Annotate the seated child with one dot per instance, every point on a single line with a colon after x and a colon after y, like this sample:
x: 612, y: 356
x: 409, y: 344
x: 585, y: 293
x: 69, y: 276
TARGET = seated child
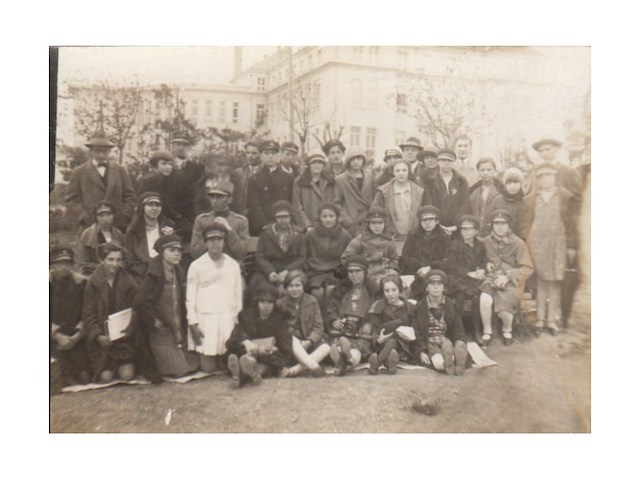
x: 467, y: 266
x: 386, y: 315
x: 66, y: 289
x: 261, y: 343
x: 438, y: 328
x: 376, y: 245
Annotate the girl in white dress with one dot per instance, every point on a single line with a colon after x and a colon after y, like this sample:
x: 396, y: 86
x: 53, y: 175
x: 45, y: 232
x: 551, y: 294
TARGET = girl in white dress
x: 214, y: 299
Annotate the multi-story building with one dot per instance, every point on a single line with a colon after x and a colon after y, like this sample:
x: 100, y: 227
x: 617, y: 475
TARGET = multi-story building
x: 511, y: 94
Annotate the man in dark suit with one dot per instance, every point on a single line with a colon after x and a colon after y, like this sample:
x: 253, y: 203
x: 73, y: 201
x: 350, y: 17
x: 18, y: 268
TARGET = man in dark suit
x: 241, y: 176
x: 100, y: 179
x: 266, y: 187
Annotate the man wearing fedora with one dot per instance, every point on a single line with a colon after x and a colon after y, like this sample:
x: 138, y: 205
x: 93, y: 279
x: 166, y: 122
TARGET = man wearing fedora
x: 567, y: 178
x: 100, y: 179
x: 410, y: 149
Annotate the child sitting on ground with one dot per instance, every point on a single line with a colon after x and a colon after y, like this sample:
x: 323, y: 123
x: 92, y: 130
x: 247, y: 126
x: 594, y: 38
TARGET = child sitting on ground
x: 438, y: 328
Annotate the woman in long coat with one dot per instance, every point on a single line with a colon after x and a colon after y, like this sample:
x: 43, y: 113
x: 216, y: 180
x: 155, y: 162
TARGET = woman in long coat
x: 214, y: 299
x: 314, y: 187
x: 109, y: 290
x: 354, y: 191
x: 161, y: 310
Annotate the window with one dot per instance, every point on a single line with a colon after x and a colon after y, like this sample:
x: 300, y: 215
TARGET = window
x: 355, y: 136
x: 356, y: 93
x: 208, y: 110
x: 262, y: 83
x: 401, y: 102
x: 260, y: 112
x: 194, y: 108
x: 235, y: 112
x: 371, y: 139
x: 223, y: 111
x: 372, y: 94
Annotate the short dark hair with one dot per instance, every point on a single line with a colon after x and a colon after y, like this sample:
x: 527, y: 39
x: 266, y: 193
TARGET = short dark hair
x: 486, y: 160
x: 463, y: 136
x: 105, y: 249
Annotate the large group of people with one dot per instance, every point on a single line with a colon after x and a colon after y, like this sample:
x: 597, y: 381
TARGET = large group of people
x: 282, y: 267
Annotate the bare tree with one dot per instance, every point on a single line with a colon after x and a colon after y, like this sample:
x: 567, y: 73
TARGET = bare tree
x: 329, y: 132
x: 110, y: 108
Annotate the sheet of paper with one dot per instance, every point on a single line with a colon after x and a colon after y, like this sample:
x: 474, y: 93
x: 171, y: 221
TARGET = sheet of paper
x: 264, y: 342
x: 480, y: 359
x: 117, y: 322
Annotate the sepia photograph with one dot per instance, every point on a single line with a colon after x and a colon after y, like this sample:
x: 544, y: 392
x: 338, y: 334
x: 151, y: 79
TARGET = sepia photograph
x: 320, y: 239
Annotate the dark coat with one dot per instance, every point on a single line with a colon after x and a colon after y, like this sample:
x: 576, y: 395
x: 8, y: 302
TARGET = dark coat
x: 424, y: 249
x: 455, y: 328
x: 95, y: 311
x: 324, y: 247
x: 451, y: 204
x: 65, y: 300
x: 271, y: 258
x: 263, y: 191
x: 251, y: 327
x: 87, y: 188
x: 135, y: 241
x: 305, y: 318
x: 462, y: 259
x: 482, y: 209
x: 181, y: 187
x: 240, y: 179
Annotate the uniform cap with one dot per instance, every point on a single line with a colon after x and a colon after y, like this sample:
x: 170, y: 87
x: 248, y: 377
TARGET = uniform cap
x: 167, y: 241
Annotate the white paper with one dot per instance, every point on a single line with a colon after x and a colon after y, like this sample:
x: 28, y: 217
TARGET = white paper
x: 117, y: 322
x: 480, y: 359
x: 406, y: 333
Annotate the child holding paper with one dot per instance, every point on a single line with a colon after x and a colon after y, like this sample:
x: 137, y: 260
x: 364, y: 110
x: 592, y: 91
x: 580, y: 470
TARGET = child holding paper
x: 438, y: 328
x: 386, y: 316
x: 109, y: 290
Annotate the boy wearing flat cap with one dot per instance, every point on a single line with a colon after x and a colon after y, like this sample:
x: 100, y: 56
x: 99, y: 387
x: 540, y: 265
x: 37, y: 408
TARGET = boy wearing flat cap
x: 214, y: 299
x: 440, y: 339
x: 102, y: 231
x: 66, y: 291
x: 509, y: 265
x: 290, y: 162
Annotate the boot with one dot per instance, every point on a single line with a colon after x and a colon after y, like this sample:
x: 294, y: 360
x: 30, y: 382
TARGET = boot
x: 392, y: 363
x: 249, y: 366
x: 447, y: 355
x: 373, y: 364
x: 460, y: 353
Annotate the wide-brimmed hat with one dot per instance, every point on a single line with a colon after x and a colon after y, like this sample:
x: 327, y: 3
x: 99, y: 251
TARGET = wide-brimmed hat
x: 99, y: 141
x: 411, y: 142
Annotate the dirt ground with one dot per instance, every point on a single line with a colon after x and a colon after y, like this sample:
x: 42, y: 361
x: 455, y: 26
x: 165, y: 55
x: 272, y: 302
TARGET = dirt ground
x: 539, y: 385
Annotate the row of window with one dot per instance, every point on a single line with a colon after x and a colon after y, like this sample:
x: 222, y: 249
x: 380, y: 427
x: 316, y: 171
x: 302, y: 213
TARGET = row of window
x: 222, y: 110
x: 356, y: 134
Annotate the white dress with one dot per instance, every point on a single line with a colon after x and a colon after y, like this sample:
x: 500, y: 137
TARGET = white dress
x: 214, y: 299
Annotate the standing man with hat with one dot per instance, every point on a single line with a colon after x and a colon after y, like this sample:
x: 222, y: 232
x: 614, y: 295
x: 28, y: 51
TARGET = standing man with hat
x: 410, y: 149
x: 548, y: 149
x: 266, y: 187
x: 313, y: 188
x: 449, y: 192
x: 183, y: 180
x: 220, y: 193
x: 334, y: 150
x: 100, y: 179
x: 289, y: 161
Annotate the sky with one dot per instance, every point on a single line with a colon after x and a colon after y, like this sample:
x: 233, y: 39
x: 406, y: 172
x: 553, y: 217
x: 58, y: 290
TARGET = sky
x: 153, y: 65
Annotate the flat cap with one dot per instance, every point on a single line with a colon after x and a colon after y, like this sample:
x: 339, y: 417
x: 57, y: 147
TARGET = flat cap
x: 167, y: 241
x: 216, y: 230
x: 546, y: 141
x: 270, y: 145
x: 446, y: 154
x: 61, y: 254
x: 291, y: 147
x: 221, y: 187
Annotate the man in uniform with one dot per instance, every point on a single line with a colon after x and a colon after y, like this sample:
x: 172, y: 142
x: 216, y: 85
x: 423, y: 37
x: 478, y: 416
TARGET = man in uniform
x: 266, y: 187
x: 100, y: 179
x: 220, y: 193
x: 290, y: 162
